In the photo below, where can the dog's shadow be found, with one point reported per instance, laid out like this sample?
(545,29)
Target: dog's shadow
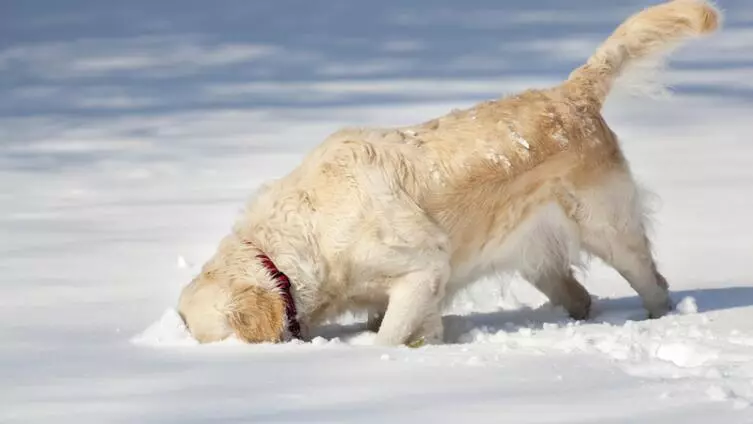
(615,311)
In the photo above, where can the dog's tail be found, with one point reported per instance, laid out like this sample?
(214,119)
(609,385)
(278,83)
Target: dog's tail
(651,32)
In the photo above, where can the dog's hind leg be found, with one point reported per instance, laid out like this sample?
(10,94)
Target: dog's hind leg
(630,254)
(550,249)
(613,226)
(563,289)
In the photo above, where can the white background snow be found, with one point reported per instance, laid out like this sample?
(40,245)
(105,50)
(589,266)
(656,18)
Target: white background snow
(132,132)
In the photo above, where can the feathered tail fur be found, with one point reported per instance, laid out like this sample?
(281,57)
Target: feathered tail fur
(651,32)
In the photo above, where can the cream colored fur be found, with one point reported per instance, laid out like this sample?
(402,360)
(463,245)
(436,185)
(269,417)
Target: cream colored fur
(393,221)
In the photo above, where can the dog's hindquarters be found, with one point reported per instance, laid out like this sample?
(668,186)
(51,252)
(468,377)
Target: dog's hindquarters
(606,219)
(610,214)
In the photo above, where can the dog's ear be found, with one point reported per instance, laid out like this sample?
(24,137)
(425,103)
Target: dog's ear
(257,315)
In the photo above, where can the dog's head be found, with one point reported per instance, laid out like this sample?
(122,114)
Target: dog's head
(233,297)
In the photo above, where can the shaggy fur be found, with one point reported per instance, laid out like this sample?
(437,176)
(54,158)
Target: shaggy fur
(393,221)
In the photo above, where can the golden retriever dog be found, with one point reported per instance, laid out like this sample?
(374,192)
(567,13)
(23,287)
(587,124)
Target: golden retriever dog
(395,221)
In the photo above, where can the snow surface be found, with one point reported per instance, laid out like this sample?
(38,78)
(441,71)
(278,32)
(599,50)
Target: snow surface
(132,132)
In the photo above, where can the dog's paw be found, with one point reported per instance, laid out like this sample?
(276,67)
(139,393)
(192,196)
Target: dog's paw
(416,343)
(658,311)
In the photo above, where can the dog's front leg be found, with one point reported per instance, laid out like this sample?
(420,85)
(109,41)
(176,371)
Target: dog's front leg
(413,313)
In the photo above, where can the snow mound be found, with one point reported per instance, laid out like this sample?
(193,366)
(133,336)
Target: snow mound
(685,355)
(687,306)
(169,330)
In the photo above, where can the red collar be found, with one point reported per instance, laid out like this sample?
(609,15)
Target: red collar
(283,283)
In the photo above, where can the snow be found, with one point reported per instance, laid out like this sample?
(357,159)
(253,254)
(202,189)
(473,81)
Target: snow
(169,330)
(131,133)
(520,140)
(687,306)
(499,159)
(181,262)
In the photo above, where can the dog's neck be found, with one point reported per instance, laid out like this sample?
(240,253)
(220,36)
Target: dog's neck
(282,282)
(265,273)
